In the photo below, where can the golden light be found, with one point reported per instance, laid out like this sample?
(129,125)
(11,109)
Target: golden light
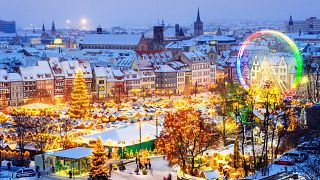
(304,80)
(57,41)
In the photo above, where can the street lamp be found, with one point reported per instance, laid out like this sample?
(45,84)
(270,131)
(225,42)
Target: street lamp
(122,143)
(139,134)
(83,23)
(157,122)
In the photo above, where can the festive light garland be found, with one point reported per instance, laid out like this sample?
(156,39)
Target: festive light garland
(277,34)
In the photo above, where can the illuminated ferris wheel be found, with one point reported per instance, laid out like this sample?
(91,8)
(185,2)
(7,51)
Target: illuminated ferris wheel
(267,71)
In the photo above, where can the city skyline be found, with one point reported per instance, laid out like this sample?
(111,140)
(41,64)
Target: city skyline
(144,12)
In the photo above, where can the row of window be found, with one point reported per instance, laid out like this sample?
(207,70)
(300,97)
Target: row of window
(201,73)
(166,85)
(200,66)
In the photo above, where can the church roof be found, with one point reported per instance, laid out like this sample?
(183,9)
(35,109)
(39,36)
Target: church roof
(113,39)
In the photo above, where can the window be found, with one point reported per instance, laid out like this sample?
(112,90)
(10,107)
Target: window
(101,81)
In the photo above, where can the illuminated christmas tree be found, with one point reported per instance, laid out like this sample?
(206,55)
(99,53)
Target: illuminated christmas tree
(99,169)
(4,104)
(79,103)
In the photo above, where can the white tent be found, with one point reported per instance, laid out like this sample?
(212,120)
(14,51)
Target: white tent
(127,134)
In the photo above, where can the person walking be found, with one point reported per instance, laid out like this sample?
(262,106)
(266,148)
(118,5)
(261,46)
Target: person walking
(37,168)
(70,174)
(169,176)
(137,170)
(8,165)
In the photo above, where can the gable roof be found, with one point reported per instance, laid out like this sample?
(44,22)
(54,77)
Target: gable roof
(112,39)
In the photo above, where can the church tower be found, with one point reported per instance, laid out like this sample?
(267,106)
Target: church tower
(198,26)
(53,28)
(290,28)
(43,28)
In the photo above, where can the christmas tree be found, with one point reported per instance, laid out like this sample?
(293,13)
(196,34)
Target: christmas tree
(79,103)
(99,169)
(4,104)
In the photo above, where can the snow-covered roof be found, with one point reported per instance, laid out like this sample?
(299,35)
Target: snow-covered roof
(4,76)
(100,71)
(113,39)
(56,66)
(211,37)
(195,56)
(15,77)
(43,71)
(73,153)
(117,72)
(28,73)
(127,133)
(163,69)
(71,67)
(180,44)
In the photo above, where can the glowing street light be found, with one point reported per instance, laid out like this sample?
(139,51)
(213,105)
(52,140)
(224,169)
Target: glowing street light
(83,23)
(68,22)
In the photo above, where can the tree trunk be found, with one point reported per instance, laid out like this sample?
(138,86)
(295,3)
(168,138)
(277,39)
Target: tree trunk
(253,150)
(242,148)
(224,131)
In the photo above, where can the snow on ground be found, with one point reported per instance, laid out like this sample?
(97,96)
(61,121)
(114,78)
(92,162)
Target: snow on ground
(159,168)
(303,169)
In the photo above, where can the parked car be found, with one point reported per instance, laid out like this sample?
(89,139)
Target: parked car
(25,172)
(298,156)
(21,162)
(310,146)
(284,161)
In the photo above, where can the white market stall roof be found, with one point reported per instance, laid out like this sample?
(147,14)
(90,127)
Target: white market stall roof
(212,174)
(128,134)
(73,153)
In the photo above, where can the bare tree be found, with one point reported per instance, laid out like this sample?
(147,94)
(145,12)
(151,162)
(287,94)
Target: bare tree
(43,132)
(21,131)
(64,128)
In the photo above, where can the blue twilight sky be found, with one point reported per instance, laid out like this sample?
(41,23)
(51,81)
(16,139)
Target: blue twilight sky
(147,12)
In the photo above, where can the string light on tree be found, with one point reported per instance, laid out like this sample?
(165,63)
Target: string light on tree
(79,103)
(99,169)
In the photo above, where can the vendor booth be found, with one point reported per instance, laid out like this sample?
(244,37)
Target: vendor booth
(77,160)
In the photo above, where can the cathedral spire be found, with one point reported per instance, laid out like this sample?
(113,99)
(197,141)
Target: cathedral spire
(53,27)
(198,15)
(290,20)
(43,29)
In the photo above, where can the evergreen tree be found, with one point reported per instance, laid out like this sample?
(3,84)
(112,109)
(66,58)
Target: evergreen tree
(4,104)
(99,169)
(79,103)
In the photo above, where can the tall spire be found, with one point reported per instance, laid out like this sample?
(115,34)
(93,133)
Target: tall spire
(290,20)
(198,15)
(43,29)
(53,27)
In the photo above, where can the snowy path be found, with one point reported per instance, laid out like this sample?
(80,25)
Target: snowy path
(160,169)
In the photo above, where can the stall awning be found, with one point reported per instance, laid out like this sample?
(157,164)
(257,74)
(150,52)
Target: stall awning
(73,153)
